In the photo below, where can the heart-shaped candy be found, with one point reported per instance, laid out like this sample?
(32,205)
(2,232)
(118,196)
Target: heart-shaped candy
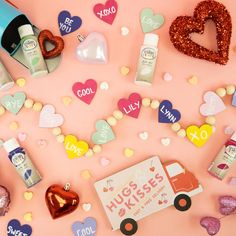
(22,136)
(15,226)
(183,26)
(48,118)
(87,207)
(149,21)
(211,224)
(130,106)
(13,103)
(166,114)
(106,12)
(227,205)
(58,42)
(199,136)
(75,148)
(93,49)
(67,23)
(85,92)
(105,161)
(104,133)
(213,104)
(88,227)
(61,201)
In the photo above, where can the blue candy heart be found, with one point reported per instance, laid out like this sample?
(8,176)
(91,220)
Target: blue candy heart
(88,227)
(15,228)
(67,23)
(166,114)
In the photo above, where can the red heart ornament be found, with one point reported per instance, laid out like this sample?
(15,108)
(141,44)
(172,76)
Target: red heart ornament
(58,42)
(85,92)
(183,26)
(61,201)
(107,12)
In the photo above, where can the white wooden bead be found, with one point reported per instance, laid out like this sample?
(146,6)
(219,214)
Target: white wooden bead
(146,102)
(56,131)
(155,104)
(60,138)
(181,133)
(118,114)
(37,106)
(221,92)
(230,89)
(89,153)
(211,120)
(175,127)
(29,103)
(97,148)
(2,110)
(111,121)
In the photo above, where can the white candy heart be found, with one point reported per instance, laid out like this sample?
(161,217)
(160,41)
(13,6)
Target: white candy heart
(48,118)
(104,161)
(143,135)
(228,130)
(213,104)
(87,206)
(167,77)
(104,86)
(165,141)
(22,136)
(124,31)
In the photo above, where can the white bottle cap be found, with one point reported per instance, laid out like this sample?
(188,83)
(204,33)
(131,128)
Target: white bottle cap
(151,39)
(25,30)
(11,145)
(233,137)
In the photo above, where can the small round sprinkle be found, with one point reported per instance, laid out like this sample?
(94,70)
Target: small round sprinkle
(230,89)
(97,148)
(28,195)
(60,138)
(14,125)
(124,31)
(146,102)
(211,120)
(128,152)
(155,104)
(37,106)
(29,103)
(21,82)
(2,110)
(89,153)
(66,100)
(181,133)
(193,80)
(85,174)
(111,121)
(124,70)
(221,92)
(104,86)
(56,131)
(175,127)
(118,114)
(28,216)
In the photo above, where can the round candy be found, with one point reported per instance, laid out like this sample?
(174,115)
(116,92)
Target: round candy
(2,110)
(56,131)
(181,133)
(211,120)
(175,127)
(37,106)
(60,138)
(111,121)
(146,102)
(4,200)
(29,103)
(118,114)
(97,148)
(230,89)
(221,92)
(89,153)
(155,104)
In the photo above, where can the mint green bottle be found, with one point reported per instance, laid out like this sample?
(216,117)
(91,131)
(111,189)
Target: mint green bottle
(32,51)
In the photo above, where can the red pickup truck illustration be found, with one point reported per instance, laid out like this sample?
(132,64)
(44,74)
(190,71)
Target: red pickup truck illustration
(143,189)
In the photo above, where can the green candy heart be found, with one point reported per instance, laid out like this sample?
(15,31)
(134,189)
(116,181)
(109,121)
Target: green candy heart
(14,103)
(104,133)
(149,21)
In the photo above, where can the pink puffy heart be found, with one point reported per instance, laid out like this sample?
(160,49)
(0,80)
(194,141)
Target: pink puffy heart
(107,12)
(85,92)
(22,136)
(131,106)
(227,205)
(211,224)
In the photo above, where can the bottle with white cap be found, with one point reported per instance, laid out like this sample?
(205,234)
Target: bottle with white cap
(32,51)
(147,60)
(22,163)
(224,160)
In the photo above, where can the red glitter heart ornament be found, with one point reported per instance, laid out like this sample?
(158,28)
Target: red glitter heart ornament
(183,26)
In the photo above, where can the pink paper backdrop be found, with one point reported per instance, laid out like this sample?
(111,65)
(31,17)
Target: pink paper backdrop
(80,118)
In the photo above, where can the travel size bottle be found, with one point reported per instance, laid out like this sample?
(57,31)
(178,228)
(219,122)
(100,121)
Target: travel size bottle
(224,160)
(147,60)
(32,51)
(22,163)
(6,81)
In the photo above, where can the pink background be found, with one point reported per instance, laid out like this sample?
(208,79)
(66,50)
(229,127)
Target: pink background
(80,118)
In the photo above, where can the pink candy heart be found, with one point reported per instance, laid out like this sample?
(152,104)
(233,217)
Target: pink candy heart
(107,12)
(104,162)
(211,224)
(85,92)
(22,136)
(131,106)
(227,205)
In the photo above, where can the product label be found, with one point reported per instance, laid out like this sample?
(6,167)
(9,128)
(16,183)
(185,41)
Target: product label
(29,44)
(18,159)
(231,151)
(148,53)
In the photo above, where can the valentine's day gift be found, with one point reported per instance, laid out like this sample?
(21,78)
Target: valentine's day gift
(4,200)
(143,189)
(22,163)
(224,160)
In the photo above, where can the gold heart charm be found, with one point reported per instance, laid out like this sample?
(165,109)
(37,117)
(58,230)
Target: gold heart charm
(199,136)
(75,148)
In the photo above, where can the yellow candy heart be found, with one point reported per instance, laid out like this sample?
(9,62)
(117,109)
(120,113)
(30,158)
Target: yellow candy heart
(28,216)
(128,152)
(66,100)
(193,80)
(75,148)
(28,195)
(21,82)
(85,174)
(199,136)
(124,70)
